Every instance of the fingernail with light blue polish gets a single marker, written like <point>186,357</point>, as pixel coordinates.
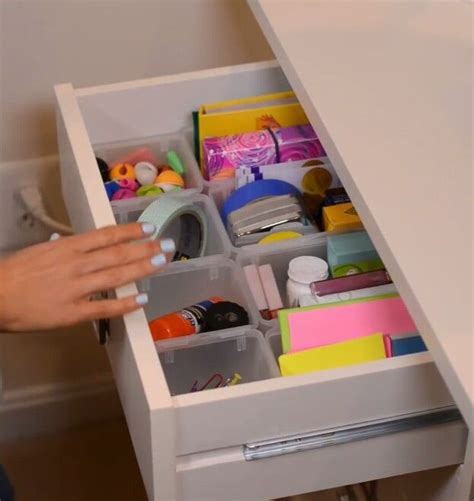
<point>158,260</point>
<point>142,299</point>
<point>148,228</point>
<point>168,245</point>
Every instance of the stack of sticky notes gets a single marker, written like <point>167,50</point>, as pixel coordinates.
<point>404,344</point>
<point>334,335</point>
<point>332,356</point>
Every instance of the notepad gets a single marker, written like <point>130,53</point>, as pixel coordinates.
<point>405,345</point>
<point>355,351</point>
<point>314,326</point>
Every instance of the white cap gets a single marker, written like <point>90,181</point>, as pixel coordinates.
<point>307,269</point>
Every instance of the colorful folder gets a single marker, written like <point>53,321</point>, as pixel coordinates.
<point>249,114</point>
<point>314,326</point>
<point>356,351</point>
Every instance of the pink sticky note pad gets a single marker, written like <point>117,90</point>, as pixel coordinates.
<point>323,326</point>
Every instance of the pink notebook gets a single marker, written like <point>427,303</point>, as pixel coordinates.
<point>323,326</point>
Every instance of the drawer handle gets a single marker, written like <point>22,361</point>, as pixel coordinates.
<point>347,434</point>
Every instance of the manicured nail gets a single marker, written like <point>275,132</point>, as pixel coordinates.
<point>54,236</point>
<point>158,260</point>
<point>148,228</point>
<point>168,245</point>
<point>142,299</point>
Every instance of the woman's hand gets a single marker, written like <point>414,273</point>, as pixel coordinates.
<point>50,285</point>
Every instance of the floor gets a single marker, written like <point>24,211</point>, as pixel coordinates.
<point>98,464</point>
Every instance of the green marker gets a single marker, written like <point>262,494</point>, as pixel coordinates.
<point>174,162</point>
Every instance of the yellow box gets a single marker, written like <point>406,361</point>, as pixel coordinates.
<point>355,351</point>
<point>249,114</point>
<point>341,217</point>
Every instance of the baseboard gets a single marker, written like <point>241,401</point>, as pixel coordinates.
<point>57,407</point>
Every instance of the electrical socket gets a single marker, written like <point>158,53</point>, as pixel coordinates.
<point>17,228</point>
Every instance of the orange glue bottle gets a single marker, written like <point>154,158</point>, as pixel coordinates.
<point>189,320</point>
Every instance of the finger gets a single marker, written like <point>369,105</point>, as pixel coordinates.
<point>111,235</point>
<point>121,275</point>
<point>117,255</point>
<point>109,308</point>
<point>122,254</point>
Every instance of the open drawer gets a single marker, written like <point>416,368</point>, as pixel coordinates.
<point>187,442</point>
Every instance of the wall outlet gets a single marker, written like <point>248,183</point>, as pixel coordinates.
<point>17,228</point>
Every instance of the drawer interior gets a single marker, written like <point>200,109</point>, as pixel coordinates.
<point>152,112</point>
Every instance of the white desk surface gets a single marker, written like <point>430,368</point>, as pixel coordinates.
<point>388,87</point>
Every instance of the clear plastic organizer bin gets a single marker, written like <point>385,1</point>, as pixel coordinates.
<point>273,338</point>
<point>193,361</point>
<point>159,145</point>
<point>219,191</point>
<point>195,281</point>
<point>217,243</point>
<point>279,256</point>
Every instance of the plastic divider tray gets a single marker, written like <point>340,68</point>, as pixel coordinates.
<point>195,281</point>
<point>197,359</point>
<point>218,242</point>
<point>279,257</point>
<point>159,145</point>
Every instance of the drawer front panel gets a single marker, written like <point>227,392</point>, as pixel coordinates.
<point>212,476</point>
<point>288,406</point>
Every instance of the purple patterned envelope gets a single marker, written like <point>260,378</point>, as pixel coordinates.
<point>222,155</point>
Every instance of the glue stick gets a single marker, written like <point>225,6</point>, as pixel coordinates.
<point>189,320</point>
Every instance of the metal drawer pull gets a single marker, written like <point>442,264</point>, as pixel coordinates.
<point>347,434</point>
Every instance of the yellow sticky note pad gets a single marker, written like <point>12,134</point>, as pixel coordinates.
<point>341,217</point>
<point>355,351</point>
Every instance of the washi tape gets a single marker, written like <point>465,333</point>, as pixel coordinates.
<point>255,191</point>
<point>182,221</point>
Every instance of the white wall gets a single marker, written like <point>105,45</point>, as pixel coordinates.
<point>90,42</point>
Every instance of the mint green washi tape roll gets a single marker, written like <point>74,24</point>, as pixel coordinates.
<point>180,220</point>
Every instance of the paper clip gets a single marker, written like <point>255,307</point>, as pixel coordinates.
<point>216,376</point>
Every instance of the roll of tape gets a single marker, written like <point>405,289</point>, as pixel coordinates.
<point>182,221</point>
<point>255,191</point>
<point>225,315</point>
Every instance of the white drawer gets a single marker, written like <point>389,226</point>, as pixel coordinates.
<point>177,438</point>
